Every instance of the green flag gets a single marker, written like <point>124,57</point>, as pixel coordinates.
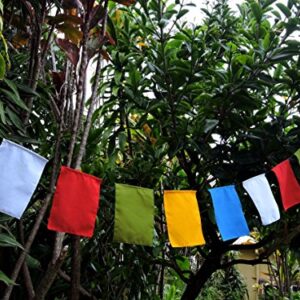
<point>134,215</point>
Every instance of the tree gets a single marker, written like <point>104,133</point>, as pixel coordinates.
<point>174,106</point>
<point>51,80</point>
<point>191,107</point>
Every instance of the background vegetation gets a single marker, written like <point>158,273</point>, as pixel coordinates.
<point>171,105</point>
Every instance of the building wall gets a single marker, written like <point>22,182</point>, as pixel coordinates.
<point>252,274</point>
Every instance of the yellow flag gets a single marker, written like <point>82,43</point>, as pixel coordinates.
<point>183,218</point>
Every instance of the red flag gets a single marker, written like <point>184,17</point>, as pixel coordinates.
<point>288,184</point>
<point>75,203</point>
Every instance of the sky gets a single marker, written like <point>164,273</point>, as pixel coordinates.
<point>194,12</point>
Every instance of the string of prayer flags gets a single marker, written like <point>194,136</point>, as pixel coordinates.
<point>75,203</point>
<point>228,212</point>
<point>288,184</point>
<point>260,192</point>
<point>21,170</point>
<point>134,215</point>
<point>183,218</point>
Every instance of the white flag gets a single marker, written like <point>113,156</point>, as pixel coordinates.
<point>20,172</point>
<point>259,190</point>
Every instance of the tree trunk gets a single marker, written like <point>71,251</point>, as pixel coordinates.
<point>198,280</point>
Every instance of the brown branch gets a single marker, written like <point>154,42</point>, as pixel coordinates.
<point>175,267</point>
<point>41,213</point>
<point>94,94</point>
<point>36,66</point>
<point>48,279</point>
<point>82,290</point>
<point>80,87</point>
<point>251,262</point>
<point>78,116</point>
<point>76,268</point>
<point>25,270</point>
<point>129,136</point>
<point>76,258</point>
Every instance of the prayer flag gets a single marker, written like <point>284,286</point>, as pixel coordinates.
<point>228,211</point>
<point>260,192</point>
<point>183,218</point>
<point>21,170</point>
<point>75,203</point>
<point>288,184</point>
<point>134,215</point>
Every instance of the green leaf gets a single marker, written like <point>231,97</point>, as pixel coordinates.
<point>12,86</point>
<point>278,71</point>
<point>14,98</point>
<point>284,9</point>
<point>2,67</point>
<point>8,241</point>
<point>276,14</point>
<point>268,3</point>
<point>210,124</point>
<point>282,56</point>
<point>182,13</point>
<point>2,114</point>
<point>266,41</point>
<point>122,140</point>
<point>256,10</point>
<point>291,3</point>
<point>32,262</point>
<point>115,90</point>
<point>118,76</point>
<point>6,279</point>
<point>14,119</point>
<point>27,90</point>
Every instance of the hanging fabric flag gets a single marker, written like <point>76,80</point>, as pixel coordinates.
<point>75,203</point>
<point>21,170</point>
<point>260,191</point>
<point>228,211</point>
<point>297,154</point>
<point>288,184</point>
<point>183,218</point>
<point>134,215</point>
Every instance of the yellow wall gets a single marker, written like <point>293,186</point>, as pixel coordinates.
<point>251,274</point>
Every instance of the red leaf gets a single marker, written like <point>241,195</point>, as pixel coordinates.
<point>97,15</point>
<point>58,80</point>
<point>110,39</point>
<point>70,49</point>
<point>64,18</point>
<point>105,55</point>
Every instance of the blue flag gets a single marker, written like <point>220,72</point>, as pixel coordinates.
<point>228,211</point>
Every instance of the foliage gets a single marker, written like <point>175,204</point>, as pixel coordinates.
<point>204,105</point>
<point>223,284</point>
<point>226,284</point>
<point>179,106</point>
<point>283,275</point>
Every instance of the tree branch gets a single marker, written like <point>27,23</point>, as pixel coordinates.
<point>82,290</point>
<point>173,266</point>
